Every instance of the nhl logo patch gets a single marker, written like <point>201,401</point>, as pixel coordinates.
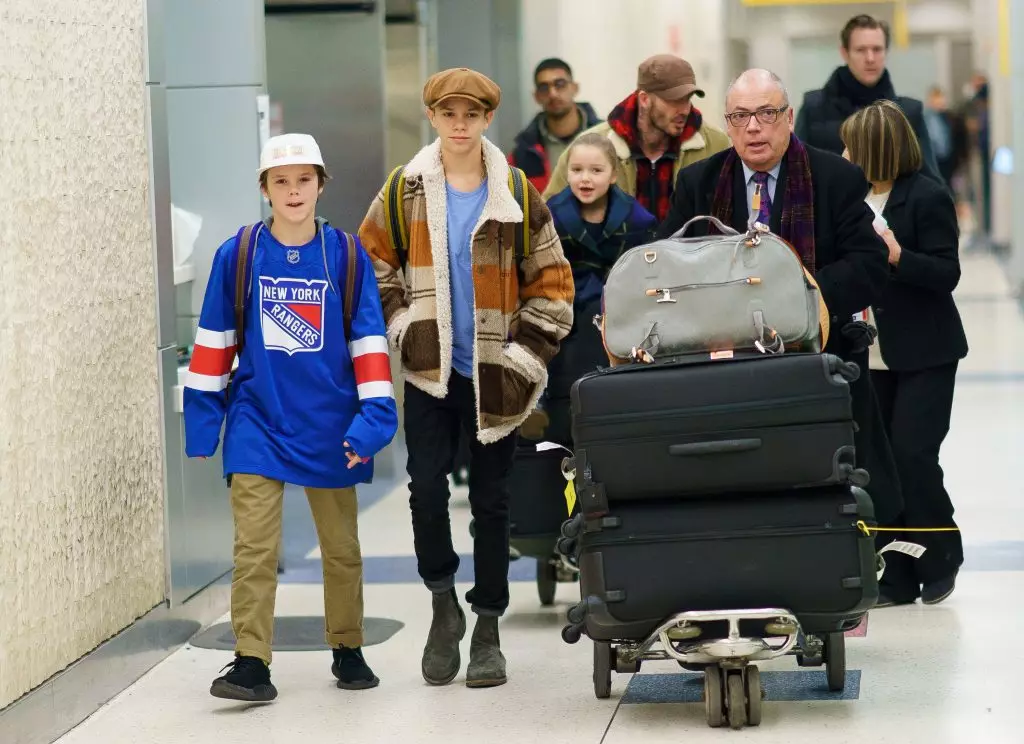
<point>293,256</point>
<point>292,314</point>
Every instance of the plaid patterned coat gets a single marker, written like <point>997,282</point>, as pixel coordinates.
<point>521,313</point>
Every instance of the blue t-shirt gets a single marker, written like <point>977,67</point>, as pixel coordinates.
<point>464,210</point>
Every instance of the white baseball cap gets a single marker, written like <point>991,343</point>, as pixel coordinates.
<point>290,149</point>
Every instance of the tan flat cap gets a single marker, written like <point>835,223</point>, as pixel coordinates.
<point>667,76</point>
<point>461,82</point>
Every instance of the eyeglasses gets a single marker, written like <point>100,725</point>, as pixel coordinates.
<point>740,119</point>
<point>559,84</point>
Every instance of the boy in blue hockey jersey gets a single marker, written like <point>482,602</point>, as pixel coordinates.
<point>311,402</point>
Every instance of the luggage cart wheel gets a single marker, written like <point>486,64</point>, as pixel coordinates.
<point>713,704</point>
<point>752,681</point>
<point>602,670</point>
<point>835,661</point>
<point>736,699</point>
<point>547,582</point>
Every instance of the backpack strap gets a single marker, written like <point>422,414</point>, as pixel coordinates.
<point>517,184</point>
<point>246,239</point>
<point>351,269</point>
<point>394,213</point>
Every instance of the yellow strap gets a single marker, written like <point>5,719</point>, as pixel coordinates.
<point>862,526</point>
<point>398,242</point>
<point>516,173</point>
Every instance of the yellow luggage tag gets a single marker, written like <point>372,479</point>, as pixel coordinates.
<point>569,475</point>
<point>570,496</point>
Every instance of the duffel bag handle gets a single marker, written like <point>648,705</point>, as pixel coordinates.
<point>723,228</point>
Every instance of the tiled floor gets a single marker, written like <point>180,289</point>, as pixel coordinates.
<point>936,675</point>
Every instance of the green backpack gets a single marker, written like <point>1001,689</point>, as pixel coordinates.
<point>398,231</point>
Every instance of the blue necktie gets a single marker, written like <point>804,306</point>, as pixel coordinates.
<point>764,214</point>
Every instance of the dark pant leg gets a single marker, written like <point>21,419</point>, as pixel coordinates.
<point>920,422</point>
<point>899,582</point>
<point>431,437</point>
<point>489,468</point>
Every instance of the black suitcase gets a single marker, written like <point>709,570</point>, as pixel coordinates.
<point>536,487</point>
<point>695,428</point>
<point>799,550</point>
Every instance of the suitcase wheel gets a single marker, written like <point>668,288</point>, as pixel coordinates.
<point>566,546</point>
<point>577,613</point>
<point>603,653</point>
<point>572,527</point>
<point>572,633</point>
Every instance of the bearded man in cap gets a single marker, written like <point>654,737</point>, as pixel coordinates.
<point>477,295</point>
<point>656,132</point>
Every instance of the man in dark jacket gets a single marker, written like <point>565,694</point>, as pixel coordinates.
<point>814,200</point>
<point>538,147</point>
<point>861,81</point>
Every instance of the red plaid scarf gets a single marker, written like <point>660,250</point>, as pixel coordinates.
<point>797,199</point>
<point>654,181</point>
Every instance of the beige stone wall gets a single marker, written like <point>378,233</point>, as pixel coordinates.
<point>81,515</point>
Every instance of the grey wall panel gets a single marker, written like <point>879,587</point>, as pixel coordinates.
<point>154,58</point>
<point>214,154</point>
<point>213,43</point>
<point>340,101</point>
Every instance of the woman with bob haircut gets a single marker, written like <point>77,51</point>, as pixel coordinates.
<point>920,342</point>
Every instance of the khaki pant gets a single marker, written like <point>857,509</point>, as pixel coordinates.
<point>256,504</point>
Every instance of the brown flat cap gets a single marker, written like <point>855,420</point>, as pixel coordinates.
<point>461,82</point>
<point>667,76</point>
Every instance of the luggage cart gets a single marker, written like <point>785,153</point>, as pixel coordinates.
<point>732,681</point>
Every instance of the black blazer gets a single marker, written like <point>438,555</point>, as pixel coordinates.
<point>851,260</point>
<point>918,323</point>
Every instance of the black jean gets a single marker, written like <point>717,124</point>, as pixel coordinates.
<point>432,432</point>
<point>916,407</point>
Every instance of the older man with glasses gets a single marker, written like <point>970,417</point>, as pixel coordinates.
<point>814,200</point>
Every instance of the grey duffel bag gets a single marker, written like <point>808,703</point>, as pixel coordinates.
<point>715,294</point>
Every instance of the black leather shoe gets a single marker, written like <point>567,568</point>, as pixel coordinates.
<point>937,591</point>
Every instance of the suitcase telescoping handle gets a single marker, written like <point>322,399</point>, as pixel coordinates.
<point>721,447</point>
<point>722,227</point>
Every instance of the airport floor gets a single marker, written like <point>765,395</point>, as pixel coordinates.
<point>916,674</point>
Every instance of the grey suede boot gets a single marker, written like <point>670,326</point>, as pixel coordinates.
<point>441,659</point>
<point>486,662</point>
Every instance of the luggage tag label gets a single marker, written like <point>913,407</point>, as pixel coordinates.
<point>907,548</point>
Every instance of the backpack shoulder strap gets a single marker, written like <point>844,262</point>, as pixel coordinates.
<point>352,283</point>
<point>394,213</point>
<point>517,184</point>
<point>246,238</point>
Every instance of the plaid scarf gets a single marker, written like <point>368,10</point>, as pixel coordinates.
<point>654,181</point>
<point>797,199</point>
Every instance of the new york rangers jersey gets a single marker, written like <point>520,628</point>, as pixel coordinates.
<point>301,389</point>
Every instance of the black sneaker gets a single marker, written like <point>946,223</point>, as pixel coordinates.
<point>248,680</point>
<point>351,670</point>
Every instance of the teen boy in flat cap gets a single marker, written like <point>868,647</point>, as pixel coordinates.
<point>476,306</point>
